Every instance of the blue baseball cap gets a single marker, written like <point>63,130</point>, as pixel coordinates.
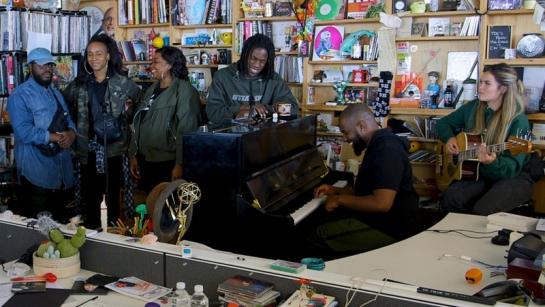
<point>40,56</point>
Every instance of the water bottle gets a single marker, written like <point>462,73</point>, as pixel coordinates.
<point>180,297</point>
<point>199,299</point>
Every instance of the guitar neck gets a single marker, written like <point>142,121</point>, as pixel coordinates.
<point>474,152</point>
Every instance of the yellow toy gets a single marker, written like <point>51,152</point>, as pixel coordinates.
<point>414,146</point>
<point>158,42</point>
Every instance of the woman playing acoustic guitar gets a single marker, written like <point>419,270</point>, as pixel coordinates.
<point>499,182</point>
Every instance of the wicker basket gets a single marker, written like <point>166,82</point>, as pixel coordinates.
<point>62,267</point>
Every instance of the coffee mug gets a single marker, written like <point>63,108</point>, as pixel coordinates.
<point>283,109</point>
<point>226,38</point>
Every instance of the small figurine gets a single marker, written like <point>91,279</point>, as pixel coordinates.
<point>339,88</point>
<point>433,87</point>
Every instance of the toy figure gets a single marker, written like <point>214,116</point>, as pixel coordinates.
<point>433,87</point>
<point>339,88</point>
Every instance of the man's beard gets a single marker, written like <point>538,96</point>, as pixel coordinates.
<point>359,146</point>
<point>42,82</point>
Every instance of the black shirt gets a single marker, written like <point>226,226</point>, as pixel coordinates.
<point>386,166</point>
<point>97,93</point>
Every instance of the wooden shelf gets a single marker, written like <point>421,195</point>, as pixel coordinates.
<point>204,46</point>
<point>510,12</point>
<point>294,84</point>
<point>329,133</point>
<point>422,163</point>
<point>437,38</point>
<point>517,62</point>
<point>199,26</point>
<point>321,107</point>
<point>438,14</point>
<point>136,62</point>
<point>331,84</point>
<point>536,116</point>
<point>202,66</point>
<point>145,25</point>
<point>346,21</point>
<point>344,62</point>
<point>285,53</point>
<point>421,112</point>
<point>275,18</point>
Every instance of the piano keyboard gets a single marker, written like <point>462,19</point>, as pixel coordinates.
<point>304,211</point>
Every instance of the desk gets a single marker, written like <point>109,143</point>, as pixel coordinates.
<point>416,260</point>
<point>413,261</point>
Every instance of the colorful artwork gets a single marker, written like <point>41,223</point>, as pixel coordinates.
<point>327,43</point>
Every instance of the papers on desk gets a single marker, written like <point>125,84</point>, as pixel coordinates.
<point>500,220</point>
<point>139,289</point>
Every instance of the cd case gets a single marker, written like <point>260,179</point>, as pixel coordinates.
<point>288,266</point>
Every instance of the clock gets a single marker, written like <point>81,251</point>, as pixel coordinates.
<point>400,6</point>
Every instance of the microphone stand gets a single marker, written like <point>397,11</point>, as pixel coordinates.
<point>105,144</point>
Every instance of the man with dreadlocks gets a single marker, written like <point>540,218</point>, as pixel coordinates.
<point>249,83</point>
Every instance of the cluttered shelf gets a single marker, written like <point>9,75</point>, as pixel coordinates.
<point>205,46</point>
<point>438,14</point>
<point>421,112</point>
<point>200,26</point>
<point>276,18</point>
<point>324,107</point>
<point>345,62</point>
<point>144,25</point>
<point>511,12</point>
<point>329,133</point>
<point>517,62</point>
<point>202,66</point>
<point>536,116</point>
<point>331,84</point>
<point>346,21</point>
<point>436,38</point>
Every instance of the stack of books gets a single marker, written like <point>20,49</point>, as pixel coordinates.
<point>247,291</point>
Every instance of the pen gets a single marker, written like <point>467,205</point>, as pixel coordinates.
<point>87,301</point>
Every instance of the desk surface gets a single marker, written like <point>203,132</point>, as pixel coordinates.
<point>418,260</point>
<point>415,261</point>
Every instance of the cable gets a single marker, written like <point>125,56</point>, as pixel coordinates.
<point>356,285</point>
<point>473,260</point>
<point>462,232</point>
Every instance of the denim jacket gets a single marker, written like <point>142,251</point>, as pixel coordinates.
<point>31,108</point>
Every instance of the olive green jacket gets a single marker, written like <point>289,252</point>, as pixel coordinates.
<point>505,165</point>
<point>120,89</point>
<point>158,131</point>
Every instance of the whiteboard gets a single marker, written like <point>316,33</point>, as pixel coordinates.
<point>459,65</point>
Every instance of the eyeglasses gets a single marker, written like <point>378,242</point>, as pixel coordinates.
<point>45,66</point>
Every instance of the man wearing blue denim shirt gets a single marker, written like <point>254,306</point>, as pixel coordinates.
<point>45,180</point>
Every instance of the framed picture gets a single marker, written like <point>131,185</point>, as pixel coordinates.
<point>504,4</point>
<point>327,43</point>
<point>418,29</point>
<point>439,26</point>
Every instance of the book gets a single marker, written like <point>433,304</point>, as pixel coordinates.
<point>245,286</point>
<point>28,286</point>
<point>297,299</point>
<point>138,288</point>
<point>288,266</point>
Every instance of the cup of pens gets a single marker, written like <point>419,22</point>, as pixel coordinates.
<point>138,227</point>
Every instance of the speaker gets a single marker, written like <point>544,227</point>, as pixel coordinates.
<point>400,6</point>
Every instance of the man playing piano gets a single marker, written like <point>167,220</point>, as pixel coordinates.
<point>383,195</point>
<point>249,83</point>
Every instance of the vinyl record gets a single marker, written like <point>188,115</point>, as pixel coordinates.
<point>327,9</point>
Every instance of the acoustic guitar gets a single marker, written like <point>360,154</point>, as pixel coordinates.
<point>465,165</point>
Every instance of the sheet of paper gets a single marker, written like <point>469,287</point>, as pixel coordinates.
<point>36,40</point>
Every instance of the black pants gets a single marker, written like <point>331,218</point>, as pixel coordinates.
<point>93,188</point>
<point>33,199</point>
<point>154,173</point>
<point>484,197</point>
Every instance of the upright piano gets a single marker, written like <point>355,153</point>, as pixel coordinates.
<point>257,183</point>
